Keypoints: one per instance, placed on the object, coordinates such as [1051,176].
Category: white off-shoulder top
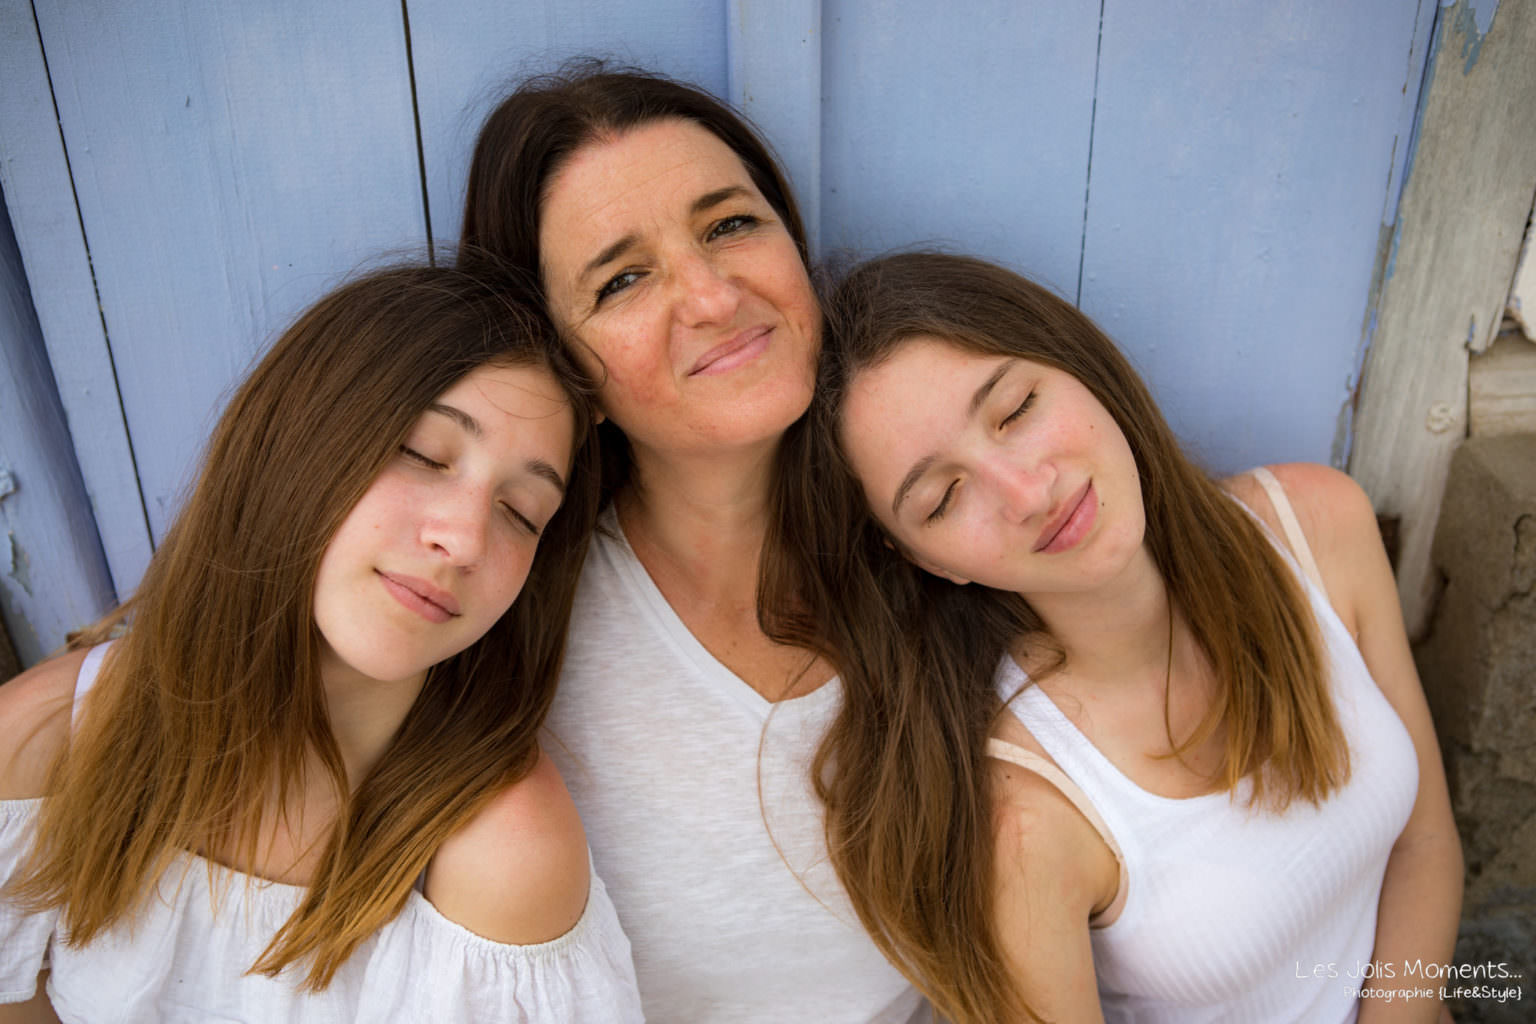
[185,955]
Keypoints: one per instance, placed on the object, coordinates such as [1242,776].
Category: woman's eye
[731,225]
[521,520]
[1020,411]
[420,459]
[944,503]
[617,283]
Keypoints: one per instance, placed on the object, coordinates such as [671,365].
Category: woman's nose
[705,295]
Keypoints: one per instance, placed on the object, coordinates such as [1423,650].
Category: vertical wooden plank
[775,56]
[230,160]
[53,574]
[35,177]
[1458,235]
[1241,153]
[468,56]
[970,131]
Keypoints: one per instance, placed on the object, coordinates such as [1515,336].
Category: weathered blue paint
[467,56]
[1408,111]
[53,573]
[965,126]
[221,195]
[1239,157]
[1212,182]
[1472,22]
[774,57]
[47,226]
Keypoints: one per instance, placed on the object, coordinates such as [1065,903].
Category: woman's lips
[431,603]
[1071,527]
[739,350]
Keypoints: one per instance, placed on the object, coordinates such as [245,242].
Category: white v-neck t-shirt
[732,909]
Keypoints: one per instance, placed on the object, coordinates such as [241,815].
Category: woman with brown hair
[1134,755]
[297,776]
[672,257]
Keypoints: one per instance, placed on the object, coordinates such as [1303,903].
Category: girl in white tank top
[1215,793]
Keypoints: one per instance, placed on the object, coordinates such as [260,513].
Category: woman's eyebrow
[716,197]
[608,255]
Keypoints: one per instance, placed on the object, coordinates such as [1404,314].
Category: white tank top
[1237,914]
[675,764]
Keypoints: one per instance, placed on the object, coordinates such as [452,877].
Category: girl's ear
[598,416]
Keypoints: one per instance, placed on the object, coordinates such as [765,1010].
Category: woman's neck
[707,516]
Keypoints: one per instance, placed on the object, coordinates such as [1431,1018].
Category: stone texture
[1478,664]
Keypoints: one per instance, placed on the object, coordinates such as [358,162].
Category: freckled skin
[691,280]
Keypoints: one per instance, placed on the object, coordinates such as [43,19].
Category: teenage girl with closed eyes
[1133,744]
[298,776]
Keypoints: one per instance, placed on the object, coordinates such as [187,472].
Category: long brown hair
[536,130]
[213,692]
[913,746]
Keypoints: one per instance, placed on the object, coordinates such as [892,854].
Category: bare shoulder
[517,872]
[1052,851]
[1339,523]
[34,724]
[1328,503]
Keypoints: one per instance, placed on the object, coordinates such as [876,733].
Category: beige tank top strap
[1290,525]
[1033,762]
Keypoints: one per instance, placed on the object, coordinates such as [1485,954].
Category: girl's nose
[456,527]
[1023,489]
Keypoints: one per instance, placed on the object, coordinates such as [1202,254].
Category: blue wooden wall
[1210,180]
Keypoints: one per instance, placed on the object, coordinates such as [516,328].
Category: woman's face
[673,271]
[994,469]
[437,548]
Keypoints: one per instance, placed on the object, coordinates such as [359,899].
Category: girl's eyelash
[1021,410]
[943,505]
[522,520]
[416,457]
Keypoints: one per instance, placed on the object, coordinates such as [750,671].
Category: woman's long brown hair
[208,705]
[903,771]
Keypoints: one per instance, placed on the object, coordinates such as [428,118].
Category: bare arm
[1053,871]
[1421,894]
[37,1010]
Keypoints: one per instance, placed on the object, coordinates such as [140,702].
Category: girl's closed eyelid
[420,459]
[1029,400]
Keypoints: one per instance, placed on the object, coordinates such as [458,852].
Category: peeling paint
[1473,20]
[19,568]
[7,484]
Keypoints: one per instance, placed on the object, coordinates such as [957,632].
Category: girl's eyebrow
[921,466]
[468,423]
[471,426]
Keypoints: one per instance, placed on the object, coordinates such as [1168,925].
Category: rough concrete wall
[1478,664]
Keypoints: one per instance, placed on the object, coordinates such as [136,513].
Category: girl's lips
[430,602]
[1065,533]
[743,348]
